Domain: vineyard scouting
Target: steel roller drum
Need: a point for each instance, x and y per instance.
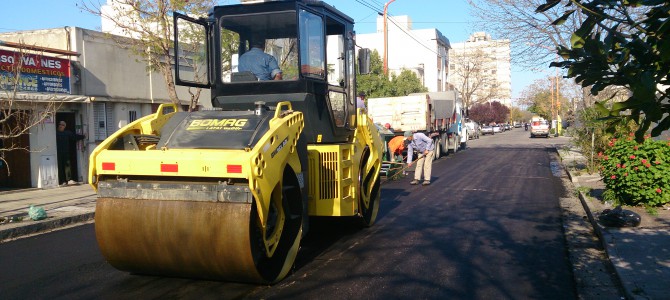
(211, 240)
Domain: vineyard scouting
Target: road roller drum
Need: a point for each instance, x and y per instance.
(227, 193)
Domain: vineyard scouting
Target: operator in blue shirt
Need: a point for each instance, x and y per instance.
(424, 164)
(264, 66)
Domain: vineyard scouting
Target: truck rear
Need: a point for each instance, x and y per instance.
(437, 114)
(413, 112)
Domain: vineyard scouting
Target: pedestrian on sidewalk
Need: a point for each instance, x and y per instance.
(425, 149)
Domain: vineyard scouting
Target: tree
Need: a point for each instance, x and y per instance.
(376, 84)
(621, 44)
(406, 83)
(486, 113)
(500, 112)
(516, 114)
(481, 113)
(534, 36)
(472, 76)
(147, 26)
(540, 97)
(19, 114)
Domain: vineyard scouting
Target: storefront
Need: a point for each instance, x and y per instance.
(36, 94)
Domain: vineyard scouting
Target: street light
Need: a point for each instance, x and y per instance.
(386, 50)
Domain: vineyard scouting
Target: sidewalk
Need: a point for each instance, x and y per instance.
(639, 255)
(65, 206)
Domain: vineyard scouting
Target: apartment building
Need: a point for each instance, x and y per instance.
(482, 65)
(423, 51)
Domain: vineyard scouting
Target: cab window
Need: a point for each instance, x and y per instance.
(312, 63)
(278, 30)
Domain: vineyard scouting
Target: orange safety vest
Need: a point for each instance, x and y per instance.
(397, 145)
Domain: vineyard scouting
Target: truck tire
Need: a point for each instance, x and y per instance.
(438, 148)
(454, 143)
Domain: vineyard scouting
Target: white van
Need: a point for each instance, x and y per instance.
(539, 127)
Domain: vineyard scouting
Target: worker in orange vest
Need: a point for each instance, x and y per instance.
(396, 147)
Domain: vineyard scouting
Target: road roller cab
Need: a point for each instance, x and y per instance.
(227, 193)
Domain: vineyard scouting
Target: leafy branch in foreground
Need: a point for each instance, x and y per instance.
(622, 43)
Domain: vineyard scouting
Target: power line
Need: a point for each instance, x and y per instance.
(431, 22)
(370, 6)
(412, 37)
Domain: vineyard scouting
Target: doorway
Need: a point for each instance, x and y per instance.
(68, 168)
(17, 174)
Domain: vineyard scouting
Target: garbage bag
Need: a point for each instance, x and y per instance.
(619, 217)
(37, 213)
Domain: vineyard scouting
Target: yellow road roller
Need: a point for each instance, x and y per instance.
(227, 193)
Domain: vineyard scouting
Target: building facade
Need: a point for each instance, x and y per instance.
(423, 51)
(108, 87)
(482, 65)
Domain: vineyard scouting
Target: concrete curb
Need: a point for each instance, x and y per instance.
(49, 224)
(603, 238)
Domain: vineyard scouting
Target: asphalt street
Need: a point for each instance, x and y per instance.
(489, 227)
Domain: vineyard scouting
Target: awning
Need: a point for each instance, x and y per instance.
(42, 97)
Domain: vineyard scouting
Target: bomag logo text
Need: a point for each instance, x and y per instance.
(217, 124)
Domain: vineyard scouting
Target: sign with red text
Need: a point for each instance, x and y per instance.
(36, 73)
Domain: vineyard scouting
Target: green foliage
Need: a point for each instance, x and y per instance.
(541, 104)
(376, 84)
(406, 83)
(584, 190)
(622, 43)
(591, 136)
(637, 173)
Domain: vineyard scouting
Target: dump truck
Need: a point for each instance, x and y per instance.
(437, 114)
(227, 193)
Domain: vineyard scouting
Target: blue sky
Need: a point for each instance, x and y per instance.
(451, 17)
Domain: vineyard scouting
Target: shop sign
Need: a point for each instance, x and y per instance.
(37, 73)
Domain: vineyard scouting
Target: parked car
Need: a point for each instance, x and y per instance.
(507, 127)
(473, 129)
(486, 129)
(497, 128)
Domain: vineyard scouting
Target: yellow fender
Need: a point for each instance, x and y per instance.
(367, 136)
(150, 124)
(268, 159)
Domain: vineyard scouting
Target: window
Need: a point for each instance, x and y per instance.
(132, 116)
(191, 53)
(278, 31)
(312, 62)
(102, 118)
(338, 105)
(335, 51)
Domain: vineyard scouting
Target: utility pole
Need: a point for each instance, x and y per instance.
(386, 41)
(558, 106)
